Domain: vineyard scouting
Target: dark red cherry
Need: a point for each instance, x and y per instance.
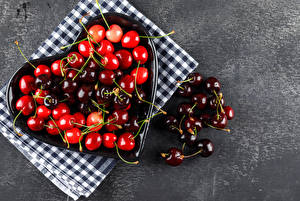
(79, 119)
(195, 79)
(206, 146)
(93, 141)
(111, 126)
(60, 110)
(97, 32)
(26, 84)
(189, 125)
(174, 157)
(213, 102)
(198, 124)
(92, 65)
(118, 73)
(125, 58)
(42, 70)
(43, 112)
(104, 94)
(140, 54)
(40, 95)
(65, 122)
(70, 97)
(25, 104)
(51, 128)
(86, 108)
(185, 109)
(88, 75)
(121, 102)
(212, 84)
(105, 47)
(140, 74)
(73, 136)
(69, 86)
(205, 119)
(85, 48)
(50, 101)
(109, 140)
(43, 82)
(229, 112)
(127, 83)
(126, 142)
(120, 116)
(185, 90)
(219, 121)
(56, 85)
(131, 39)
(200, 99)
(71, 74)
(171, 123)
(106, 77)
(132, 125)
(142, 95)
(188, 138)
(57, 67)
(110, 61)
(75, 60)
(35, 123)
(84, 93)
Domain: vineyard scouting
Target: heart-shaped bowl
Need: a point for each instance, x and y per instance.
(127, 23)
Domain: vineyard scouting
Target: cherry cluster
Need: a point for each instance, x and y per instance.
(205, 109)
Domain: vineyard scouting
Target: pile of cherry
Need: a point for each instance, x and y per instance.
(206, 108)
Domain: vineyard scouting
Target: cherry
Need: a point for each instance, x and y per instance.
(185, 109)
(188, 138)
(140, 74)
(212, 85)
(118, 73)
(95, 121)
(93, 141)
(132, 125)
(25, 104)
(206, 147)
(104, 95)
(75, 60)
(185, 90)
(42, 70)
(73, 136)
(130, 39)
(85, 108)
(56, 88)
(69, 86)
(35, 123)
(79, 119)
(114, 33)
(121, 102)
(69, 97)
(140, 54)
(174, 157)
(85, 48)
(198, 124)
(57, 66)
(51, 128)
(84, 93)
(127, 83)
(88, 75)
(126, 142)
(43, 112)
(105, 47)
(65, 122)
(60, 110)
(97, 32)
(43, 82)
(200, 99)
(71, 74)
(171, 123)
(213, 102)
(111, 126)
(109, 140)
(50, 101)
(92, 65)
(205, 119)
(107, 77)
(110, 61)
(194, 79)
(125, 58)
(26, 84)
(219, 121)
(142, 95)
(120, 116)
(189, 125)
(39, 95)
(229, 112)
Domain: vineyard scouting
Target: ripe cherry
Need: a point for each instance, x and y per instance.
(93, 141)
(206, 147)
(107, 77)
(66, 121)
(188, 138)
(126, 142)
(110, 61)
(85, 48)
(43, 82)
(50, 101)
(194, 79)
(185, 109)
(205, 119)
(214, 103)
(121, 102)
(105, 48)
(26, 84)
(92, 65)
(25, 104)
(95, 121)
(112, 126)
(185, 90)
(60, 110)
(69, 86)
(114, 33)
(79, 119)
(104, 95)
(73, 136)
(57, 69)
(84, 93)
(171, 123)
(120, 116)
(200, 99)
(35, 123)
(71, 74)
(174, 157)
(69, 97)
(39, 95)
(140, 54)
(42, 70)
(125, 58)
(109, 140)
(51, 128)
(141, 94)
(97, 32)
(140, 74)
(212, 85)
(75, 60)
(43, 112)
(131, 39)
(132, 125)
(219, 121)
(127, 83)
(88, 75)
(118, 73)
(229, 112)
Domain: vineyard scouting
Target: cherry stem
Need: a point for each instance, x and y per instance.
(17, 44)
(180, 123)
(222, 129)
(183, 146)
(125, 161)
(96, 52)
(219, 101)
(180, 87)
(150, 117)
(80, 146)
(98, 106)
(89, 35)
(14, 123)
(68, 144)
(180, 131)
(82, 68)
(61, 61)
(145, 121)
(64, 100)
(193, 107)
(172, 32)
(102, 14)
(58, 131)
(116, 91)
(35, 105)
(194, 154)
(128, 94)
(164, 155)
(185, 80)
(63, 47)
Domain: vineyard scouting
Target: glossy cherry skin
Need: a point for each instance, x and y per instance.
(125, 58)
(105, 48)
(141, 75)
(109, 140)
(104, 95)
(111, 126)
(35, 123)
(40, 95)
(205, 119)
(185, 109)
(25, 104)
(69, 86)
(131, 39)
(229, 112)
(43, 112)
(200, 99)
(88, 75)
(118, 73)
(75, 60)
(43, 82)
(79, 119)
(110, 61)
(60, 110)
(85, 48)
(56, 68)
(51, 128)
(71, 74)
(141, 94)
(220, 122)
(114, 34)
(84, 93)
(212, 84)
(94, 119)
(195, 79)
(140, 54)
(189, 125)
(97, 32)
(73, 136)
(92, 65)
(127, 83)
(174, 157)
(132, 125)
(26, 84)
(126, 142)
(188, 138)
(171, 123)
(106, 77)
(185, 90)
(86, 108)
(93, 141)
(42, 70)
(120, 116)
(206, 146)
(69, 97)
(213, 102)
(121, 103)
(65, 122)
(50, 101)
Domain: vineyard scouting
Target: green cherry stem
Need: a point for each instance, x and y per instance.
(89, 35)
(222, 129)
(102, 14)
(17, 44)
(194, 154)
(63, 47)
(180, 123)
(183, 146)
(82, 68)
(128, 94)
(58, 130)
(98, 106)
(125, 161)
(185, 80)
(150, 117)
(14, 123)
(145, 121)
(172, 32)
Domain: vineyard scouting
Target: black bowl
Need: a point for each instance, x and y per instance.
(13, 92)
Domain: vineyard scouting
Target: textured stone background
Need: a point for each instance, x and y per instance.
(253, 47)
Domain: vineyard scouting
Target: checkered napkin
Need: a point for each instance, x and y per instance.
(79, 174)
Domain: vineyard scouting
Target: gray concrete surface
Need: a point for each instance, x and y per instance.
(253, 47)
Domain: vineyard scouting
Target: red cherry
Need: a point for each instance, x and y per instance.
(73, 136)
(120, 116)
(25, 104)
(79, 119)
(219, 121)
(140, 54)
(60, 110)
(26, 84)
(114, 34)
(127, 83)
(75, 60)
(85, 48)
(71, 74)
(41, 94)
(42, 70)
(65, 122)
(125, 58)
(110, 61)
(51, 128)
(35, 123)
(56, 68)
(229, 112)
(131, 39)
(94, 119)
(105, 47)
(110, 126)
(126, 142)
(97, 32)
(43, 112)
(107, 77)
(93, 141)
(141, 75)
(109, 140)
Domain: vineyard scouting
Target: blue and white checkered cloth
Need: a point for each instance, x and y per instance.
(79, 174)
